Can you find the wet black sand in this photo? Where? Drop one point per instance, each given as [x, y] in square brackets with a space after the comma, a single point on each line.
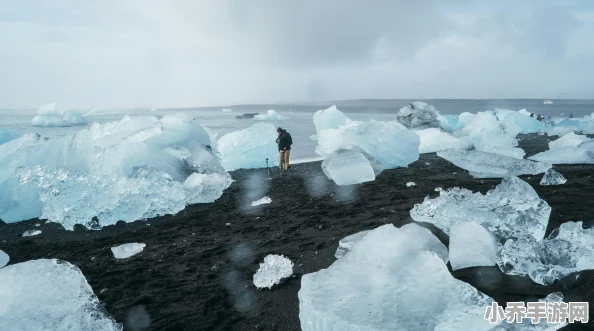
[196, 271]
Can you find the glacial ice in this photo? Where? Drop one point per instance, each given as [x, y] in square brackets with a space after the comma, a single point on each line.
[569, 140]
[263, 201]
[127, 250]
[7, 135]
[50, 295]
[488, 134]
[4, 258]
[330, 118]
[249, 148]
[450, 123]
[48, 115]
[511, 210]
[388, 142]
[526, 123]
[348, 167]
[392, 279]
[272, 271]
[205, 188]
[567, 155]
[271, 115]
[31, 233]
[552, 177]
[418, 115]
[434, 140]
[471, 245]
[567, 250]
[347, 243]
[490, 165]
[527, 325]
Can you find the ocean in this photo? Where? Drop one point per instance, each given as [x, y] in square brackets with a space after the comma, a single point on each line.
[299, 120]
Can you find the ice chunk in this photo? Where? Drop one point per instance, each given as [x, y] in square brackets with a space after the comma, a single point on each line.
[510, 210]
[471, 246]
[3, 259]
[272, 271]
[491, 165]
[71, 198]
[450, 123]
[205, 188]
[50, 295]
[520, 119]
[226, 110]
[347, 243]
[48, 115]
[569, 140]
[7, 135]
[31, 233]
[527, 325]
[409, 184]
[249, 148]
[552, 177]
[418, 115]
[567, 155]
[127, 250]
[263, 201]
[272, 115]
[347, 167]
[568, 249]
[489, 134]
[330, 118]
[388, 142]
[391, 273]
[433, 140]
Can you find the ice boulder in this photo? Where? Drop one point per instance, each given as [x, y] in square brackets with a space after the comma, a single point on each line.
[347, 243]
[471, 245]
[567, 155]
[568, 140]
[433, 140]
[50, 295]
[418, 115]
[272, 271]
[489, 134]
[249, 148]
[392, 279]
[7, 135]
[510, 210]
[48, 115]
[567, 250]
[127, 250]
[552, 177]
[263, 201]
[450, 123]
[4, 258]
[205, 188]
[348, 167]
[271, 115]
[519, 119]
[330, 118]
[527, 325]
[388, 142]
[490, 165]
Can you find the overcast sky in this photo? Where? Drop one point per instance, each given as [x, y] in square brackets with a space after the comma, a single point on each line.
[174, 53]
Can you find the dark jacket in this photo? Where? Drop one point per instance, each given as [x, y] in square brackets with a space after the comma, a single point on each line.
[284, 140]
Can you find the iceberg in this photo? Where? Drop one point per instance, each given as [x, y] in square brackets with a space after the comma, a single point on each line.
[271, 115]
[330, 118]
[511, 210]
[205, 188]
[263, 201]
[418, 115]
[50, 295]
[347, 243]
[520, 119]
[489, 134]
[490, 165]
[4, 258]
[552, 177]
[567, 250]
[349, 167]
[127, 250]
[434, 140]
[249, 148]
[388, 142]
[471, 245]
[392, 279]
[48, 116]
[7, 135]
[274, 269]
[569, 140]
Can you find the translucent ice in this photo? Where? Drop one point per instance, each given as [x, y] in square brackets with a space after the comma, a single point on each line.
[388, 142]
[527, 325]
[271, 115]
[48, 115]
[566, 155]
[347, 167]
[50, 295]
[392, 279]
[510, 210]
[471, 245]
[272, 271]
[249, 148]
[526, 123]
[31, 233]
[489, 134]
[347, 243]
[418, 115]
[7, 135]
[552, 177]
[569, 140]
[450, 123]
[490, 165]
[263, 201]
[205, 188]
[330, 118]
[433, 140]
[568, 249]
[3, 259]
[127, 250]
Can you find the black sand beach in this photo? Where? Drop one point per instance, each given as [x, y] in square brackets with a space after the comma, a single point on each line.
[196, 270]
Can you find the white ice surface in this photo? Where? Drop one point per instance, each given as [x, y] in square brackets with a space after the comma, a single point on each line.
[272, 271]
[127, 250]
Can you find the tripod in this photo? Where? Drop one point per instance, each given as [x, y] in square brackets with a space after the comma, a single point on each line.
[268, 168]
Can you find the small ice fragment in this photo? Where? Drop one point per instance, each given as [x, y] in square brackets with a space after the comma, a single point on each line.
[272, 115]
[37, 224]
[127, 250]
[263, 201]
[552, 177]
[31, 233]
[438, 189]
[471, 245]
[226, 110]
[409, 184]
[227, 224]
[349, 167]
[272, 271]
[3, 259]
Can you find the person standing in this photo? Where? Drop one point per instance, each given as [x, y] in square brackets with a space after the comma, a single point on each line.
[284, 142]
